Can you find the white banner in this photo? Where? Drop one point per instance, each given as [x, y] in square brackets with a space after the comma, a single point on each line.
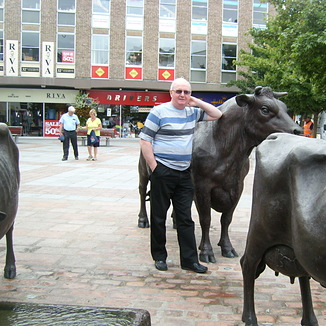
[11, 58]
[48, 59]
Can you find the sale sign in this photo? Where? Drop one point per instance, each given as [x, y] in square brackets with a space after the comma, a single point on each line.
[68, 56]
[51, 128]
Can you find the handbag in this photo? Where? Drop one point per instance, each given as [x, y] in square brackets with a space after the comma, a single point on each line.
[93, 138]
[61, 138]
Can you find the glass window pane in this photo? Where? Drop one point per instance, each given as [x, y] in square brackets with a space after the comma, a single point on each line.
[100, 49]
[101, 6]
[66, 5]
[66, 41]
[167, 11]
[1, 45]
[134, 51]
[228, 76]
[66, 19]
[229, 54]
[198, 76]
[199, 10]
[30, 17]
[30, 46]
[31, 4]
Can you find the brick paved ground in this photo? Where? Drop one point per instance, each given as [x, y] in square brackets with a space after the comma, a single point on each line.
[77, 242]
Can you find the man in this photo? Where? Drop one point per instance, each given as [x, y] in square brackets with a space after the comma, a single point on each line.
[166, 143]
[308, 128]
[68, 124]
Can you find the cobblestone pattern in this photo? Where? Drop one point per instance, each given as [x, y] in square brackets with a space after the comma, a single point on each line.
[77, 242]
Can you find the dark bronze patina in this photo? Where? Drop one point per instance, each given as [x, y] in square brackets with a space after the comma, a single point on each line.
[9, 185]
[287, 229]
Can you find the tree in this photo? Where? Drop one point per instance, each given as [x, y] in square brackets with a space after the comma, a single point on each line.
[84, 104]
[289, 55]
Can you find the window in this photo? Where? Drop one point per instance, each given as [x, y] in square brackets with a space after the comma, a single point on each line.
[134, 46]
[66, 12]
[100, 49]
[101, 13]
[199, 9]
[135, 7]
[30, 46]
[31, 11]
[66, 48]
[168, 9]
[229, 54]
[259, 13]
[1, 45]
[230, 11]
[166, 52]
[198, 61]
[1, 10]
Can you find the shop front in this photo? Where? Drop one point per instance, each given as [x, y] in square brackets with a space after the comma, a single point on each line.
[36, 110]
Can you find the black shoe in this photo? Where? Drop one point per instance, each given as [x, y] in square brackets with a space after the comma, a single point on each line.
[195, 267]
[76, 158]
[64, 159]
[161, 265]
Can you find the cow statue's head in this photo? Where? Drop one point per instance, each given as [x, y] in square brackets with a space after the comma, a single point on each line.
[265, 114]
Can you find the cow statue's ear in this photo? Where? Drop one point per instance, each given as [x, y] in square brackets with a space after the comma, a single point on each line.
[244, 99]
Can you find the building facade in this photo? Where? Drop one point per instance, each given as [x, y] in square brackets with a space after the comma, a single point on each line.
[123, 53]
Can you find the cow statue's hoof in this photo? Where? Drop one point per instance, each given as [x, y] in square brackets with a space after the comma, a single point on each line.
[207, 258]
[229, 253]
[143, 223]
[10, 272]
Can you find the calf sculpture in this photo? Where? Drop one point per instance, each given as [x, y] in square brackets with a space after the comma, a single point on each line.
[220, 160]
[9, 185]
[288, 221]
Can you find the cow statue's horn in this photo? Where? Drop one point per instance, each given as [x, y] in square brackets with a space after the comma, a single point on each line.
[279, 94]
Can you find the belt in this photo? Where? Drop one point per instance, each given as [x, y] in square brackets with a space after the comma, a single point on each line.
[69, 130]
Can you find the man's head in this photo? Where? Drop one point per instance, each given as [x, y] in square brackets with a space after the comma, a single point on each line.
[180, 92]
[71, 110]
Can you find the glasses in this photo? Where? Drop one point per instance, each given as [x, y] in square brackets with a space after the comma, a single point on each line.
[179, 91]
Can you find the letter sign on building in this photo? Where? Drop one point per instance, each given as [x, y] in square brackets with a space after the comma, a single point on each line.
[11, 58]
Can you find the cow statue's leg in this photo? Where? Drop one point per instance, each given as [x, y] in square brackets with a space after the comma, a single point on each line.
[249, 265]
[10, 267]
[203, 205]
[308, 315]
[142, 188]
[225, 242]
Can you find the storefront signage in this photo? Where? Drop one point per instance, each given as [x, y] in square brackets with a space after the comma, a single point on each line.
[48, 59]
[130, 98]
[51, 128]
[38, 95]
[68, 56]
[12, 58]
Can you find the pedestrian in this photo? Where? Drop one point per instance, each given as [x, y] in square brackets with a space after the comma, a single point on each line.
[68, 124]
[308, 127]
[93, 123]
[166, 143]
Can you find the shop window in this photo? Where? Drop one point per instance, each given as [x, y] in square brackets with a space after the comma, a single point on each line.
[31, 11]
[134, 46]
[30, 46]
[1, 10]
[66, 12]
[100, 49]
[66, 48]
[198, 61]
[166, 52]
[230, 11]
[168, 9]
[259, 13]
[101, 13]
[3, 114]
[229, 54]
[1, 45]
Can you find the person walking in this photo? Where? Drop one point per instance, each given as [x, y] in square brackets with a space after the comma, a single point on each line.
[93, 123]
[68, 124]
[166, 143]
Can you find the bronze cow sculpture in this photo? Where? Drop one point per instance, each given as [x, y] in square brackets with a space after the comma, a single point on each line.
[9, 185]
[287, 229]
[220, 160]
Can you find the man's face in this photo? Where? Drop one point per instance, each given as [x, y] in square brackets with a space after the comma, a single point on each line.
[180, 95]
[70, 112]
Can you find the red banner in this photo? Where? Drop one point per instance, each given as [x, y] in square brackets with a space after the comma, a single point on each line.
[68, 56]
[166, 74]
[134, 73]
[130, 98]
[51, 128]
[100, 72]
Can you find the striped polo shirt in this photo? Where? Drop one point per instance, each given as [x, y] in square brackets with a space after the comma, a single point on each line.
[171, 130]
